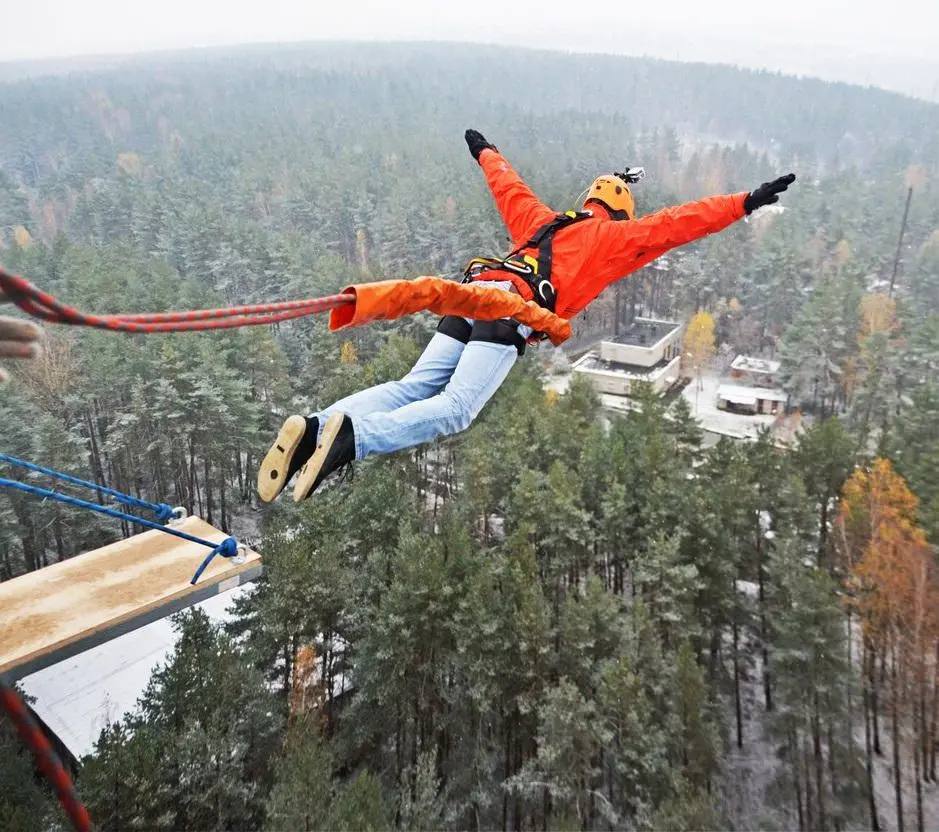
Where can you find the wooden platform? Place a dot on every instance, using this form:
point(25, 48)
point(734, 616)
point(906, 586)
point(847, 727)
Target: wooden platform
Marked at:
point(56, 612)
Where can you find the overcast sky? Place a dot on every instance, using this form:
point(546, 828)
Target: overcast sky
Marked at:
point(733, 31)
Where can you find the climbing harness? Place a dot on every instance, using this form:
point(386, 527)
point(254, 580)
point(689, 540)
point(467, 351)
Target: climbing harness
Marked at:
point(49, 762)
point(161, 511)
point(228, 548)
point(535, 271)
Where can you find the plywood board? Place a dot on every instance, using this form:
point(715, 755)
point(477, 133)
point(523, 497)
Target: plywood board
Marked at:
point(56, 611)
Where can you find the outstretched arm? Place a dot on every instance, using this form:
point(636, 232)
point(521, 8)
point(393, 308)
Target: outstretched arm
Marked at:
point(627, 246)
point(521, 210)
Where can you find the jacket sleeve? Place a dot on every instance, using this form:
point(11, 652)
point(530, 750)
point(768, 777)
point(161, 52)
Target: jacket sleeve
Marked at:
point(521, 210)
point(624, 247)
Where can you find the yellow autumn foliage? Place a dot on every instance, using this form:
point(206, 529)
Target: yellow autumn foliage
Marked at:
point(348, 353)
point(130, 163)
point(878, 314)
point(698, 346)
point(23, 238)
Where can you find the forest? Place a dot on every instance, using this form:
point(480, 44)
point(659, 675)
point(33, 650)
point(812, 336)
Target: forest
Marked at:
point(563, 618)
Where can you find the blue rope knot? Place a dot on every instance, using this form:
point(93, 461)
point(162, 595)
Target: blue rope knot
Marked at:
point(228, 548)
point(164, 513)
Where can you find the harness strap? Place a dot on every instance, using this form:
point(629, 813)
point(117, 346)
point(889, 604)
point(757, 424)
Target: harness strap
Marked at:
point(455, 327)
point(536, 272)
point(500, 331)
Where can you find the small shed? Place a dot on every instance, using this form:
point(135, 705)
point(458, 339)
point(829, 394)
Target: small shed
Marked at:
point(741, 399)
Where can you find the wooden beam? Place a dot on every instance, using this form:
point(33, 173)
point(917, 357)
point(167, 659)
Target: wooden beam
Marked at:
point(56, 612)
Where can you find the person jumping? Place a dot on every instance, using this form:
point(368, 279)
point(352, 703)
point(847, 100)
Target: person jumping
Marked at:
point(562, 261)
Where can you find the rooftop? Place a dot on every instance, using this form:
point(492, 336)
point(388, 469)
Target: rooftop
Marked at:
point(750, 395)
point(645, 332)
point(748, 364)
point(78, 696)
point(591, 362)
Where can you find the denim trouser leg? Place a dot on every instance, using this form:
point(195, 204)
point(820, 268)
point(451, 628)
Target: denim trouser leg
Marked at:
point(442, 394)
point(427, 377)
point(480, 371)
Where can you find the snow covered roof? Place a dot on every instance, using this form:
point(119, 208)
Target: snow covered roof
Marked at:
point(76, 697)
point(738, 394)
point(748, 364)
point(591, 363)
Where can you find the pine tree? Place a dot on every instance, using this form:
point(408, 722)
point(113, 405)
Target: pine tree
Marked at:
point(635, 755)
point(564, 774)
point(811, 721)
point(689, 809)
point(915, 450)
point(816, 348)
point(196, 751)
point(824, 457)
point(693, 739)
point(302, 792)
point(589, 635)
point(306, 794)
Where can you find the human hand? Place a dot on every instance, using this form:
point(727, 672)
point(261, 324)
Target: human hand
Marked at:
point(18, 339)
point(477, 143)
point(767, 193)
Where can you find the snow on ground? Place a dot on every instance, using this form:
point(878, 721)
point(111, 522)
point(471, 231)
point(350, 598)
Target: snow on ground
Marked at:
point(246, 527)
point(750, 771)
point(886, 794)
point(884, 791)
point(703, 404)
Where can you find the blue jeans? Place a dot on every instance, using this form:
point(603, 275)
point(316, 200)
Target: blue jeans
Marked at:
point(441, 395)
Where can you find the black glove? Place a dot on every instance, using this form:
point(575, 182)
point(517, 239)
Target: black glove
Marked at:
point(767, 193)
point(477, 143)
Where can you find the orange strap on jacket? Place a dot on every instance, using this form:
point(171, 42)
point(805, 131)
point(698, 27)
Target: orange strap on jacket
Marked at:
point(390, 299)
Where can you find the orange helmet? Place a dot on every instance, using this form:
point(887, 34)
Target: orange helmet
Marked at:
point(613, 193)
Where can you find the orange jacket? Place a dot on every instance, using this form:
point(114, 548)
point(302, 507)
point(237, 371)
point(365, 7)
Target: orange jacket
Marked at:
point(590, 255)
point(390, 299)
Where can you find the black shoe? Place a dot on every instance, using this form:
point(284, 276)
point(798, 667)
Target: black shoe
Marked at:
point(335, 451)
point(294, 445)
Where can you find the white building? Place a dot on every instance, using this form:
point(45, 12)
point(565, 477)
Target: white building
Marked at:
point(741, 398)
point(648, 350)
point(760, 372)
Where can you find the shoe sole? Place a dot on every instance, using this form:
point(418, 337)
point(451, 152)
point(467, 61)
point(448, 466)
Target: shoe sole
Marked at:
point(272, 475)
point(308, 473)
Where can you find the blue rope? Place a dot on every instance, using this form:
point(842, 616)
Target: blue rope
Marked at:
point(162, 511)
point(228, 548)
